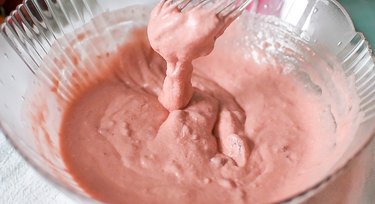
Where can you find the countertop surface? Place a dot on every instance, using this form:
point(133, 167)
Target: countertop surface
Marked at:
point(363, 16)
point(20, 184)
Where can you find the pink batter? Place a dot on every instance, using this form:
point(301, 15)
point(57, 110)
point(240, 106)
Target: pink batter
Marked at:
point(167, 31)
point(229, 131)
point(180, 38)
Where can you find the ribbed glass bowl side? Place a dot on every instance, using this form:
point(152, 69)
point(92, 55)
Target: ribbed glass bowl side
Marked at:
point(33, 28)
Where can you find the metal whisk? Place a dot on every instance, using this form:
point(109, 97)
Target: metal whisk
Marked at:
point(225, 9)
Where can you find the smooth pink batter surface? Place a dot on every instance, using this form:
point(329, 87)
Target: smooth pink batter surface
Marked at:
point(244, 133)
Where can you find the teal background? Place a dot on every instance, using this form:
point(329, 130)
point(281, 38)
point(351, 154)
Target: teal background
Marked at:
point(363, 15)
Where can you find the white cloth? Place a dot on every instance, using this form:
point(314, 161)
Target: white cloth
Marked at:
point(21, 184)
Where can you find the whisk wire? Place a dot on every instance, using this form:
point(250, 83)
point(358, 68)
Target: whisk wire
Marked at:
point(224, 9)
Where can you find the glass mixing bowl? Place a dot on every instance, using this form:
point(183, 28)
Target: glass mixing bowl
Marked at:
point(320, 27)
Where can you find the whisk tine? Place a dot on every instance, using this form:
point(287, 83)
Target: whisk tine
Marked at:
point(232, 3)
point(227, 9)
point(184, 4)
point(245, 5)
point(236, 11)
point(202, 3)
